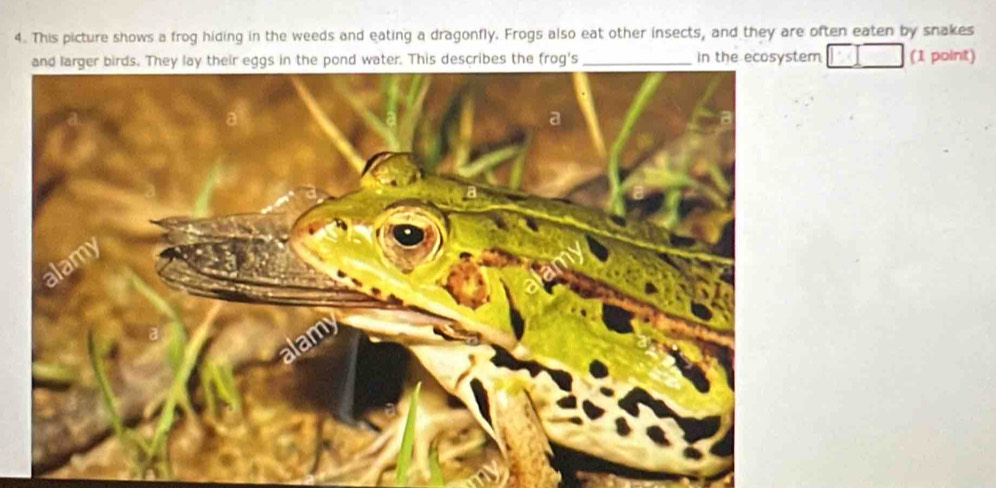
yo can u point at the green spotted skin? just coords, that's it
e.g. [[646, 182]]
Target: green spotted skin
[[621, 334]]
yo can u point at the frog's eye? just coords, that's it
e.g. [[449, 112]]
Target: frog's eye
[[410, 235], [390, 169]]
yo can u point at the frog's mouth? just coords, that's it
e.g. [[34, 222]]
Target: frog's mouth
[[247, 258]]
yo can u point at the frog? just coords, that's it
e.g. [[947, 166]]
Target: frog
[[617, 334]]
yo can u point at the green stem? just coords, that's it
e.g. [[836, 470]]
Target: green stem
[[328, 127], [202, 205], [392, 91], [53, 373], [177, 330], [104, 386], [407, 440], [179, 387], [699, 111], [414, 113], [413, 91], [462, 152], [647, 91], [519, 165], [586, 101], [488, 161], [367, 115]]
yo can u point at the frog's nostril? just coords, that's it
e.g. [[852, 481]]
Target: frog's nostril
[[313, 227]]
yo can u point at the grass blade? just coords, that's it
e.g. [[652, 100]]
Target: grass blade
[[104, 385], [392, 92], [138, 450], [647, 91], [369, 118], [716, 175], [489, 161], [331, 130], [413, 115], [219, 377], [413, 90], [519, 165], [178, 388], [700, 111], [178, 332], [210, 403], [466, 132], [408, 440], [586, 101], [53, 373], [202, 205], [224, 379], [157, 301], [667, 217], [435, 470], [672, 180]]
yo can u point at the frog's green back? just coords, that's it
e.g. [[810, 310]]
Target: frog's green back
[[673, 273]]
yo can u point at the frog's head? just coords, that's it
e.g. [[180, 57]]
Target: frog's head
[[387, 240], [376, 227]]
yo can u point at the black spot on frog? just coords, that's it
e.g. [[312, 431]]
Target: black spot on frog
[[668, 259], [694, 429], [601, 252], [598, 369], [724, 447], [622, 428], [657, 435], [682, 241], [481, 397], [617, 319], [701, 311], [569, 401], [518, 325], [591, 410], [690, 371], [503, 359], [531, 223]]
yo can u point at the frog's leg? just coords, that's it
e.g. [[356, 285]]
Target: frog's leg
[[434, 419], [500, 404], [602, 480], [526, 446]]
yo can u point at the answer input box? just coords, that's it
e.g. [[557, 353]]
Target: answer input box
[[871, 55]]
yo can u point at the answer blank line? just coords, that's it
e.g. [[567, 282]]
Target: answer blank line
[[637, 64]]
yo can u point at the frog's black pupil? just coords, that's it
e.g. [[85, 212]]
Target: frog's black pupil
[[408, 235]]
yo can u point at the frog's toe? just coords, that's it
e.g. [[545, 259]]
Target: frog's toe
[[432, 422], [431, 428], [421, 452]]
